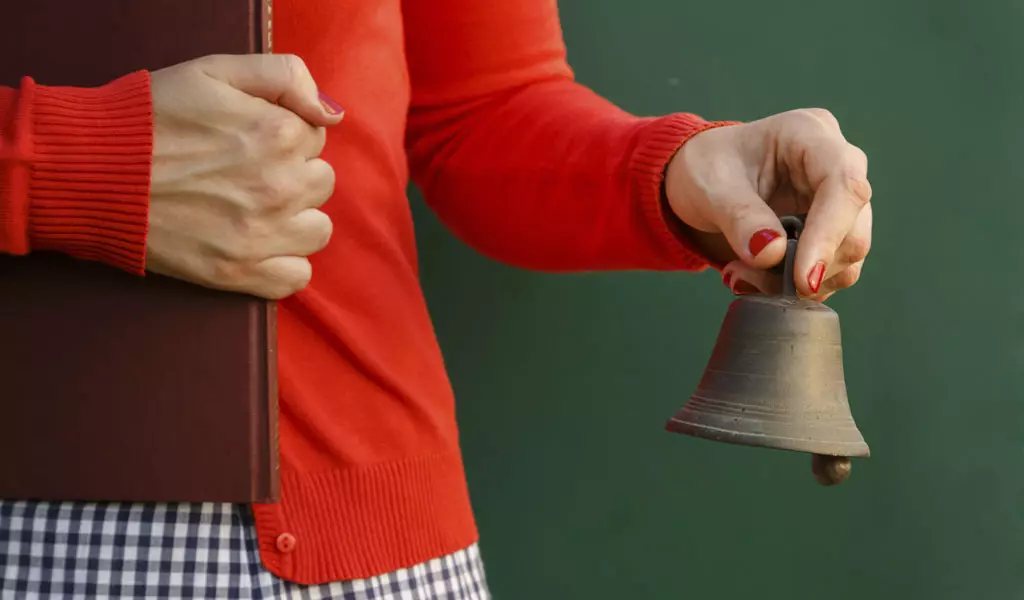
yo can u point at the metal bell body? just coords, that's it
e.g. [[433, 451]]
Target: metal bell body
[[775, 379]]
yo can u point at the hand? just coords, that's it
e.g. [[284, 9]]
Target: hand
[[728, 185], [236, 178]]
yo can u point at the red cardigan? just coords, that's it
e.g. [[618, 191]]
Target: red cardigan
[[476, 100]]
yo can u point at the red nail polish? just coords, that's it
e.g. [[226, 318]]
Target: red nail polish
[[727, 279], [815, 276], [330, 106], [760, 239]]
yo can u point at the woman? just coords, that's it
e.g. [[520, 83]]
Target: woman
[[252, 167]]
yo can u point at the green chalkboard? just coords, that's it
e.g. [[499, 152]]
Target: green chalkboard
[[565, 382]]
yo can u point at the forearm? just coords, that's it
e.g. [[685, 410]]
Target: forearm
[[75, 170], [551, 176]]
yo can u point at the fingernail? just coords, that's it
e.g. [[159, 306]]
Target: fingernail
[[815, 276], [330, 106], [727, 279], [760, 239]]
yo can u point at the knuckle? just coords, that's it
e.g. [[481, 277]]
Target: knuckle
[[848, 277], [244, 240], [251, 242], [854, 161], [275, 191], [324, 232], [294, 66], [736, 212], [856, 249], [300, 277], [208, 61], [330, 177], [322, 185], [857, 157], [858, 188], [283, 277], [234, 249], [822, 116], [283, 131], [224, 272], [315, 183]]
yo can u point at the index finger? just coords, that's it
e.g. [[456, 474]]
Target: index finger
[[839, 199]]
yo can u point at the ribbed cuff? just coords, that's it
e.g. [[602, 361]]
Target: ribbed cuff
[[91, 156], [660, 142], [13, 171], [364, 521]]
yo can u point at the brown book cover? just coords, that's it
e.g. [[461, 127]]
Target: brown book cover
[[115, 387]]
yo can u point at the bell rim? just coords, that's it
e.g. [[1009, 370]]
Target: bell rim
[[857, 449], [776, 301]]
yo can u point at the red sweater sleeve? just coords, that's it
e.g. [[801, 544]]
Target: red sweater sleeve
[[75, 170], [523, 163]]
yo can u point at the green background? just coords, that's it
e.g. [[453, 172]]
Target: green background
[[565, 382]]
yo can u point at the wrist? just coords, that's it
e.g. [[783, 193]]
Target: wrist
[[659, 142], [676, 200]]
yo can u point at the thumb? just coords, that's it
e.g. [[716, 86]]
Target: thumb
[[279, 78], [752, 228]]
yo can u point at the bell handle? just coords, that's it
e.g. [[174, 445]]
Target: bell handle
[[788, 284], [794, 226]]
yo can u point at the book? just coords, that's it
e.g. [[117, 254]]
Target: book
[[115, 387]]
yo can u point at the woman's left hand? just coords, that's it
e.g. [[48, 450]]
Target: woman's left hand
[[729, 184]]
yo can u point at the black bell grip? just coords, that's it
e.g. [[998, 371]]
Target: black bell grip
[[794, 226]]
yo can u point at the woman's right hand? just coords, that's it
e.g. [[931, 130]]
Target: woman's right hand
[[237, 180]]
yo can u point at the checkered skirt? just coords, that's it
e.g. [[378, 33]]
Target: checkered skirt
[[183, 551]]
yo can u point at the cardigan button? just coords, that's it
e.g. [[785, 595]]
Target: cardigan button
[[285, 543]]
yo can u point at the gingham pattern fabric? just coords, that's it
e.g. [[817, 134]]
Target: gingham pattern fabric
[[183, 551]]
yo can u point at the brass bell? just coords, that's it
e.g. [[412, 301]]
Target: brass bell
[[775, 379]]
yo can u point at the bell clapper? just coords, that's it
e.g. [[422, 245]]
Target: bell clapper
[[830, 470]]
